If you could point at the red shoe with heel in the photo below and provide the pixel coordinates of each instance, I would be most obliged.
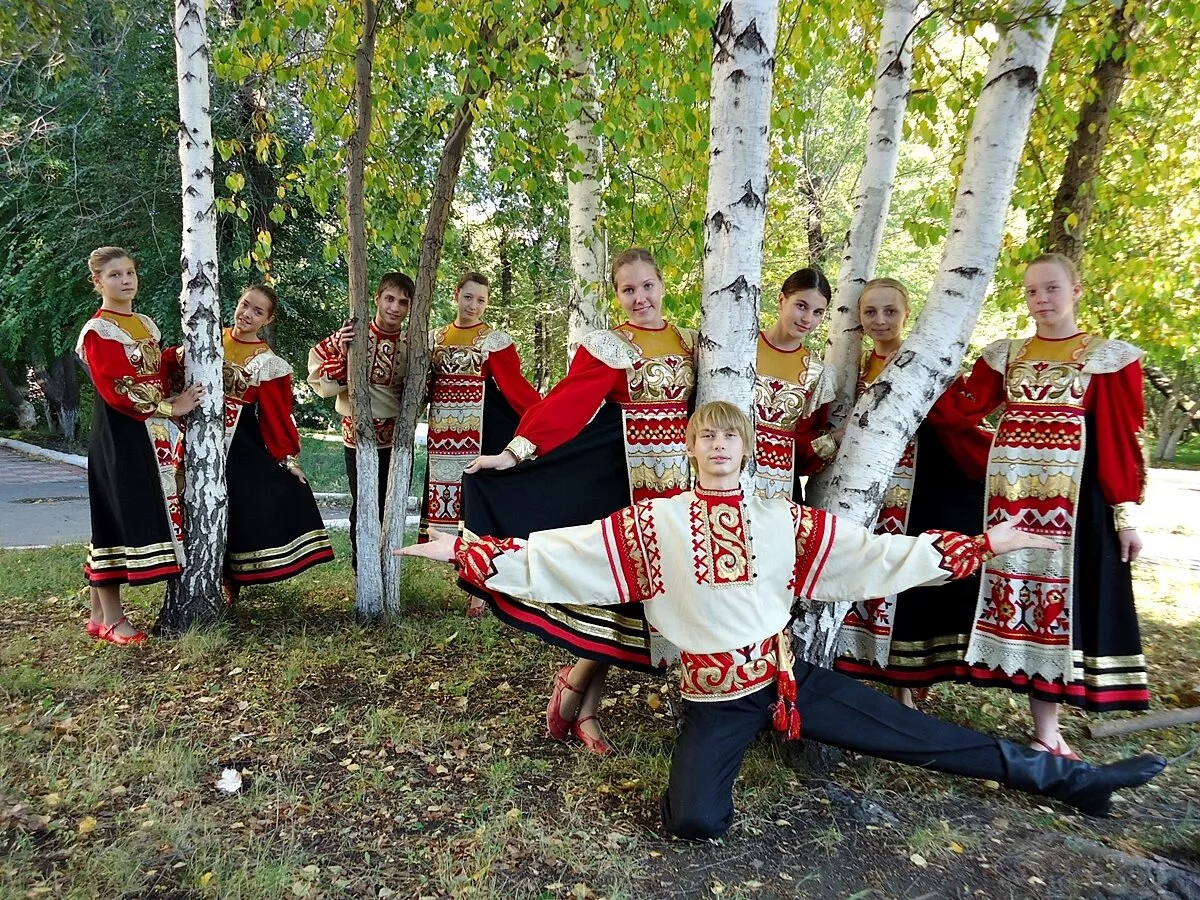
(559, 727)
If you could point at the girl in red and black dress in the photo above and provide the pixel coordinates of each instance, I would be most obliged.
(275, 528)
(792, 392)
(1060, 625)
(137, 523)
(610, 433)
(916, 639)
(477, 395)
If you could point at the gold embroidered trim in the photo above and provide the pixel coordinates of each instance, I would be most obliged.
(1125, 516)
(522, 448)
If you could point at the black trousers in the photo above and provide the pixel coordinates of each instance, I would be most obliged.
(385, 461)
(834, 709)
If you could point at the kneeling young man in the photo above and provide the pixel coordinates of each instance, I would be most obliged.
(718, 572)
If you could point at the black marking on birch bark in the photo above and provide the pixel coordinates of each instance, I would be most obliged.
(968, 272)
(1026, 77)
(750, 39)
(749, 197)
(895, 68)
(903, 358)
(737, 76)
(719, 223)
(722, 31)
(738, 287)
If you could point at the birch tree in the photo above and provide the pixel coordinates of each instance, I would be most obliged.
(368, 593)
(740, 115)
(197, 595)
(886, 417)
(586, 306)
(872, 199)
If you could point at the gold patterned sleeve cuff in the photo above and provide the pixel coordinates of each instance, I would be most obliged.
(825, 447)
(165, 408)
(1125, 516)
(522, 448)
(290, 462)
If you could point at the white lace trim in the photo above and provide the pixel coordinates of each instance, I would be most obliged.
(111, 331)
(266, 366)
(824, 385)
(1105, 356)
(611, 349)
(494, 341)
(996, 353)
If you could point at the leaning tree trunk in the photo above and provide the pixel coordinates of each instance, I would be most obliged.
(368, 595)
(68, 406)
(196, 597)
(889, 100)
(412, 400)
(586, 308)
(886, 417)
(739, 150)
(26, 414)
(1076, 196)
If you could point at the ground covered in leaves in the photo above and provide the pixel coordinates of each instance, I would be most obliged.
(410, 761)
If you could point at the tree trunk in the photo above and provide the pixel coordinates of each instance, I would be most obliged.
(413, 399)
(369, 593)
(586, 309)
(1182, 427)
(885, 126)
(818, 247)
(67, 414)
(1075, 199)
(196, 597)
(886, 417)
(26, 414)
(740, 116)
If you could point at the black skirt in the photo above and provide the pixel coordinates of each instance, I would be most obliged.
(581, 481)
(275, 528)
(931, 625)
(133, 540)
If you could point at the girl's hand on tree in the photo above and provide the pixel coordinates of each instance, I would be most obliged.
(440, 547)
(837, 434)
(1131, 544)
(504, 460)
(187, 400)
(1007, 537)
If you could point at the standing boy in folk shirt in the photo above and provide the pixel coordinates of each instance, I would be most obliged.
(718, 573)
(388, 354)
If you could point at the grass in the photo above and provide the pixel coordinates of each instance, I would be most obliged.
(411, 758)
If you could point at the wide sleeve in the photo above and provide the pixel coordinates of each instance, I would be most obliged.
(964, 439)
(504, 368)
(327, 368)
(580, 564)
(967, 401)
(570, 405)
(839, 561)
(1117, 405)
(814, 446)
(116, 380)
(275, 418)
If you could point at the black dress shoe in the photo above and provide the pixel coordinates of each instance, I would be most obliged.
(1082, 785)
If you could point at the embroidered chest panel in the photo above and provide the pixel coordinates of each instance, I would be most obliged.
(458, 359)
(659, 379)
(721, 543)
(781, 404)
(385, 354)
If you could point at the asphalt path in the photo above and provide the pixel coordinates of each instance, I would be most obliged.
(44, 502)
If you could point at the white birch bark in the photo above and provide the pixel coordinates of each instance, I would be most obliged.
(740, 117)
(886, 417)
(889, 100)
(368, 593)
(204, 496)
(586, 307)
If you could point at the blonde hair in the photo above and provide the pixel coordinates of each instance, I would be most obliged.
(101, 257)
(1058, 259)
(633, 255)
(885, 283)
(721, 416)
